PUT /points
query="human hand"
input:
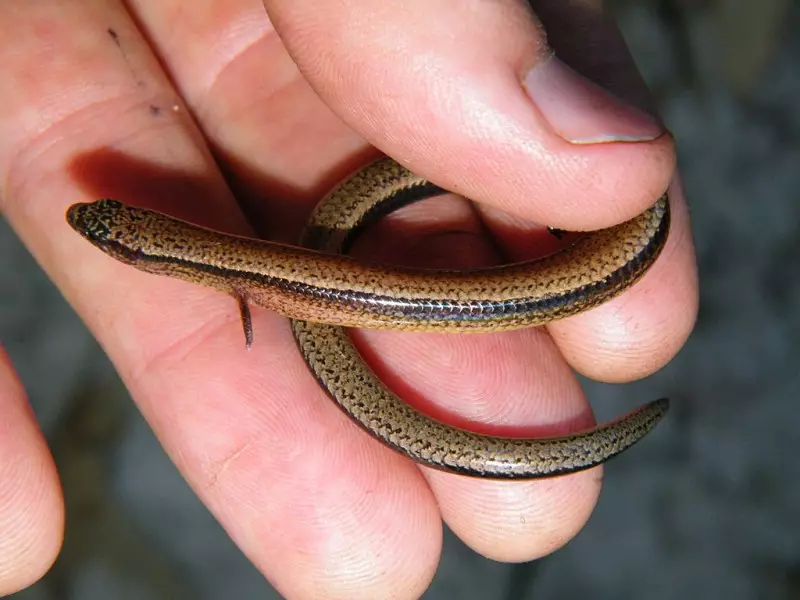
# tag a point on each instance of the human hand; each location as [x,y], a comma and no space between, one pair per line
[320,508]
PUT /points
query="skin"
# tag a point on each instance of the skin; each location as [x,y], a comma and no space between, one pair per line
[286,118]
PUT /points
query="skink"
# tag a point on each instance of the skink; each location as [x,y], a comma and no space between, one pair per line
[323,291]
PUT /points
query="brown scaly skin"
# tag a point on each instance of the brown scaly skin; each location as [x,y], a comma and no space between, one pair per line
[330,291]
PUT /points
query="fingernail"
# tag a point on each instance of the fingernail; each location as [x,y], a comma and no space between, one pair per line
[582,112]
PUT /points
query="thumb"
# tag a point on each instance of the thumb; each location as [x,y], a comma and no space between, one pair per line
[476,100]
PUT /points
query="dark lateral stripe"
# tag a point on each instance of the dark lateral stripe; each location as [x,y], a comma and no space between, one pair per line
[437,310]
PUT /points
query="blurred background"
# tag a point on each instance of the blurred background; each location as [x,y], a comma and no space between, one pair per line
[708,507]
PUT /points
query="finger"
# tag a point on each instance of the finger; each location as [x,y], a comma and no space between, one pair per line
[31,506]
[273,136]
[248,127]
[479,103]
[638,332]
[300,490]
